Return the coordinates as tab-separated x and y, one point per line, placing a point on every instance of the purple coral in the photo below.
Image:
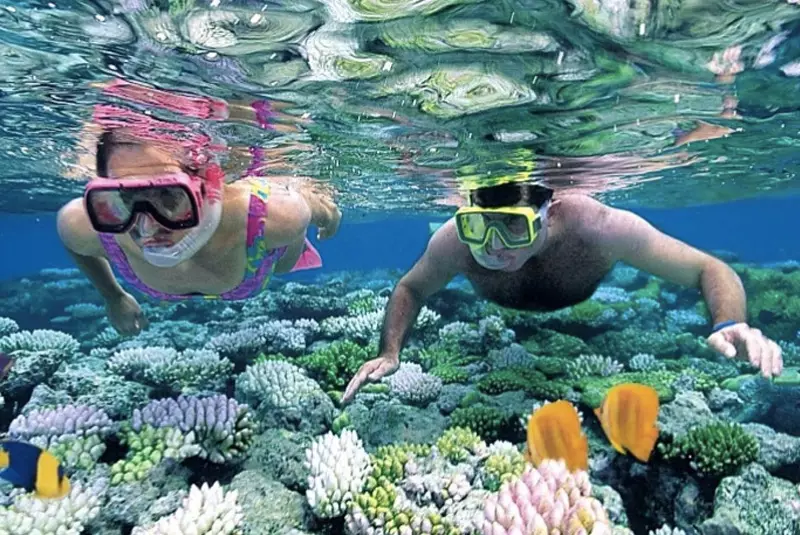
73	420
543	500
222	426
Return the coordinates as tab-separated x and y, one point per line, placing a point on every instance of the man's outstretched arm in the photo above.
438	265
631	239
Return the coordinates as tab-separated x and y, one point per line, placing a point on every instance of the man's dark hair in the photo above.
511	194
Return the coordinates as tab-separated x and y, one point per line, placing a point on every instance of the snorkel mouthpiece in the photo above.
211	213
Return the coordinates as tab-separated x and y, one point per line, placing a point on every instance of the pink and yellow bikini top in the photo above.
259	266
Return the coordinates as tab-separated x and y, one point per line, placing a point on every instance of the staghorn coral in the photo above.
339	467
205	511
365	326
222	427
513	356
361	328
544	500
644	362
85	311
166	368
592	365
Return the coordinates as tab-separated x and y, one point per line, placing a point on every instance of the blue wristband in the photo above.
721	325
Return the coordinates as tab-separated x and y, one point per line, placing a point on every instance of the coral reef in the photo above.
225	418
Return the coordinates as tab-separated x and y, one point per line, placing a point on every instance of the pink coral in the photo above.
548	500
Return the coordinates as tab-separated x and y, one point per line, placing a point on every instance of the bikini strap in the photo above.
259	261
118	260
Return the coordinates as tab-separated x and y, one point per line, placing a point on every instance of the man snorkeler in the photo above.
525	248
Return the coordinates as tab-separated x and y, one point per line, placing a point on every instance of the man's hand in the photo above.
744	342
370	372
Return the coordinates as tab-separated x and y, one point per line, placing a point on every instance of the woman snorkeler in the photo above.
160	213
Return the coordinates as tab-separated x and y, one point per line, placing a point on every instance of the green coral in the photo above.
652	290
79	452
719	371
508	379
376	388
775	311
553	343
717	449
587	311
361	302
440	354
703	382
388	463
552	366
630	341
548	389
450	374
473	397
489	423
594	389
458	443
341	422
147	448
334	365
380	508
789	377
501	467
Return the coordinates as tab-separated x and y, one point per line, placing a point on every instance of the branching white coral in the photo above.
7	326
339	467
205	511
29	515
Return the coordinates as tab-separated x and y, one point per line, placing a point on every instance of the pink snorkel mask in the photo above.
176	201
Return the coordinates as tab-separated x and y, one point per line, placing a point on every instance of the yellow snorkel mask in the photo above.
515	226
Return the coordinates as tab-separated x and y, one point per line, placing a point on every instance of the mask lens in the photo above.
512	228
110	207
516	228
172	203
473	228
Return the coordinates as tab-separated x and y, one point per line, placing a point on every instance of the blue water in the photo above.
759	230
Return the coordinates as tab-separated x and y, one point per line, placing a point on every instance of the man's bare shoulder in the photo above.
444	246
579	213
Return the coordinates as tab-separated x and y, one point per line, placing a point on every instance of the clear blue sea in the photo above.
226	417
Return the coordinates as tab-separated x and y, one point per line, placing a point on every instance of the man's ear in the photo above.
554	208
